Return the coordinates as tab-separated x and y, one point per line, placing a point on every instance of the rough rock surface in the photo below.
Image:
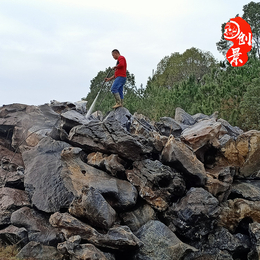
116	238
10	201
122	186
92	206
156	183
37	225
179	155
55	184
38	251
160	243
194	215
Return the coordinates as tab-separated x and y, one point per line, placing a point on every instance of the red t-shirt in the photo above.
120	67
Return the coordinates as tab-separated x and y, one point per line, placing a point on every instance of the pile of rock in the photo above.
123	187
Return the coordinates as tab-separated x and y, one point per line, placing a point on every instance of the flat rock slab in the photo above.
160	243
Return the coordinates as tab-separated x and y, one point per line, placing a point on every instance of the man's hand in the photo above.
108	79
114	68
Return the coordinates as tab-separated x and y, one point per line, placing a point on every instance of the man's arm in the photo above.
108	79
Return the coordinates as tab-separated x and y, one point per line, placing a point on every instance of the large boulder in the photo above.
54	185
160	243
168	126
203	133
92	207
158	184
180	156
28	124
234	211
121	115
37	225
109	137
195	214
244	152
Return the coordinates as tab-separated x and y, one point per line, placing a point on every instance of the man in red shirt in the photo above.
120	78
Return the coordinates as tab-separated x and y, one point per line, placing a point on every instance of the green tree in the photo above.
177	67
252	16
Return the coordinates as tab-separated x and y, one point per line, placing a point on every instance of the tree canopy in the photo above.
177	67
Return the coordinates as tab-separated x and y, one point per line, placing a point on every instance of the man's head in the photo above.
115	54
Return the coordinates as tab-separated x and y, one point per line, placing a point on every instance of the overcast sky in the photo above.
51	49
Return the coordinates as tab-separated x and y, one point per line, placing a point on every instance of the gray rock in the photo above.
39	252
72	118
76	251
142	126
109	137
12	179
43	181
168	126
156	183
224	139
92	206
119	238
61	107
54	185
160	243
195	214
254	231
122	115
222	239
199	116
232	131
245	190
138	217
182	117
37	225
10	201
202	133
13	236
178	155
209	254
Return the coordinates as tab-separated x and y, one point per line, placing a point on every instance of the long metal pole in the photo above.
95	100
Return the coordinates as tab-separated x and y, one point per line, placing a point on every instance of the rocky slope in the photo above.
124	187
